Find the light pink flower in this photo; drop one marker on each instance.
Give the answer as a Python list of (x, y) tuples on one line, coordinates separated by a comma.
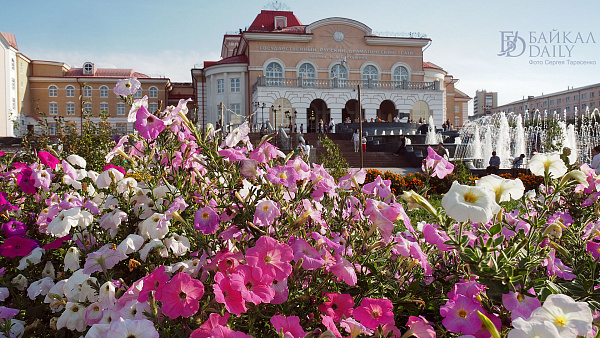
[(148, 125), (311, 259), (520, 305), (379, 187), (419, 327), (207, 220), (344, 270), (330, 325), (266, 213), (460, 315), (355, 328)]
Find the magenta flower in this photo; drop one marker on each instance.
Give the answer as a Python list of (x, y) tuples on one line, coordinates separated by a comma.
[(5, 205), (148, 125), (289, 327), (180, 296), (126, 87), (112, 166), (227, 295), (419, 327), (153, 282), (556, 267), (214, 320), (374, 312), (206, 220), (330, 325), (47, 159), (338, 307), (470, 289), (436, 237), (57, 243), (26, 182), (460, 315), (264, 153), (440, 166), (17, 246), (519, 305), (563, 217), (271, 258), (266, 213), (253, 290), (14, 228), (311, 259), (593, 248)]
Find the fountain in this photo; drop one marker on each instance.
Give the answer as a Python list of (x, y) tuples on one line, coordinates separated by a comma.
[(511, 134), (432, 137)]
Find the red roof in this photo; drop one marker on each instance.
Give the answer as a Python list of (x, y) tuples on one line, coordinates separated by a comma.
[(265, 21), (11, 39), (107, 72), (232, 59), (431, 65)]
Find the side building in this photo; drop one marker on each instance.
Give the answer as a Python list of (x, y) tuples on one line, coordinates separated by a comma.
[(484, 103), (9, 97), (58, 91), (283, 72), (563, 102)]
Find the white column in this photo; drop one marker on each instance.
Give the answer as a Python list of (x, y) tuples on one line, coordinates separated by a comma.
[(336, 114)]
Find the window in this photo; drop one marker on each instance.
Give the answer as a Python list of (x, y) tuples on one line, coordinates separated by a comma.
[(14, 104), (87, 91), (370, 73), (153, 92), (591, 104), (103, 91), (120, 108), (104, 107), (551, 102), (568, 109), (420, 110), (400, 74), (14, 84), (338, 74), (12, 63), (51, 128), (53, 108), (138, 94), (236, 117), (235, 85), (70, 91), (70, 108), (456, 108), (592, 94), (583, 96), (220, 86), (87, 107), (575, 97), (558, 101), (53, 91), (274, 74), (121, 128), (583, 106), (456, 121), (153, 107), (308, 74), (568, 99), (88, 68)]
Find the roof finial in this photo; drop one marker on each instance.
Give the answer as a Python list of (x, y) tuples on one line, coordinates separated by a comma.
[(276, 6)]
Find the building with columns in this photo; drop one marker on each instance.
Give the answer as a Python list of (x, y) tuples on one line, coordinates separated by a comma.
[(281, 71)]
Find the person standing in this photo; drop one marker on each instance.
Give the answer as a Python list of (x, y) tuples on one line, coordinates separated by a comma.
[(321, 126), (440, 150), (596, 159), (331, 126), (356, 140), (494, 164), (301, 128), (364, 144)]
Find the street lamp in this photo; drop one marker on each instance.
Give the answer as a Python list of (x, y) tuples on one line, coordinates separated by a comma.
[(295, 121), (289, 116)]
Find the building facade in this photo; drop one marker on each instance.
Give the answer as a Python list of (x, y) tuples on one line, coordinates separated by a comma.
[(58, 91), (484, 103), (565, 102), (283, 72), (8, 85)]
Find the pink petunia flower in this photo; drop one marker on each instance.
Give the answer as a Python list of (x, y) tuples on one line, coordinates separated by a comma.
[(206, 220), (311, 259), (470, 289), (266, 213), (355, 328), (148, 125), (460, 315), (374, 312), (214, 320), (253, 290), (593, 248), (48, 159), (419, 327), (17, 246), (14, 228), (26, 181), (264, 153), (288, 326), (379, 187), (338, 307), (556, 267), (436, 237), (440, 166), (520, 305), (281, 291), (344, 270), (227, 295), (180, 296), (271, 258), (152, 282), (330, 325)]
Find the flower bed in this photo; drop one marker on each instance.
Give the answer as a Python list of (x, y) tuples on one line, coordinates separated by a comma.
[(206, 236)]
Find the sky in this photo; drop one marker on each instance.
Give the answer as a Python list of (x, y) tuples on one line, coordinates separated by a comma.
[(510, 47)]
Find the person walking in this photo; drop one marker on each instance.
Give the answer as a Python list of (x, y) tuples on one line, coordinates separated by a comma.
[(356, 140)]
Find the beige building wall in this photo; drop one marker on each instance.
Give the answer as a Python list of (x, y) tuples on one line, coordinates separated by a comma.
[(4, 94), (24, 95)]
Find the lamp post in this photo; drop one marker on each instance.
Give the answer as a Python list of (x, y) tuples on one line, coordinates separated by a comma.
[(295, 121), (289, 116)]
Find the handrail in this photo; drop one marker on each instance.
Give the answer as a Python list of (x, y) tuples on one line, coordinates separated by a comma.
[(301, 82)]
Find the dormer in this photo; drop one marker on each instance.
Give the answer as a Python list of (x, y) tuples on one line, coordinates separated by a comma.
[(89, 68), (280, 22)]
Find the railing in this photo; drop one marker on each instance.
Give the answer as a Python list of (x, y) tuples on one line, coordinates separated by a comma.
[(343, 83)]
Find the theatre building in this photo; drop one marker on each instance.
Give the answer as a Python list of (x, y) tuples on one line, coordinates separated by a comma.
[(283, 72)]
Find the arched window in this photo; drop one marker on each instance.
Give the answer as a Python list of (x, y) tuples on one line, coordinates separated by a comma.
[(138, 93), (153, 92), (338, 75), (103, 91), (87, 91), (53, 91), (70, 90), (400, 74), (370, 73), (420, 110), (308, 74), (274, 74)]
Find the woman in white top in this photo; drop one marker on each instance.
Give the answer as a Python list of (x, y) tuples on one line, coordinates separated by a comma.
[(356, 139), (596, 159)]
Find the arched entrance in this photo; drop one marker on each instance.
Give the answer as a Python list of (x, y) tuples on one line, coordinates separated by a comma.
[(351, 111), (277, 114), (420, 111), (387, 111), (315, 112)]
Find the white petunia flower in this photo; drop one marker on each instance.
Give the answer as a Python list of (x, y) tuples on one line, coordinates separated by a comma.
[(130, 244), (504, 189), (137, 104), (179, 245), (20, 282), (464, 203), (149, 228), (54, 297), (4, 293), (154, 244), (63, 222), (34, 257), (48, 270), (77, 160), (74, 183), (111, 221), (550, 163), (570, 318), (109, 177), (72, 259), (40, 287), (107, 297), (73, 318)]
